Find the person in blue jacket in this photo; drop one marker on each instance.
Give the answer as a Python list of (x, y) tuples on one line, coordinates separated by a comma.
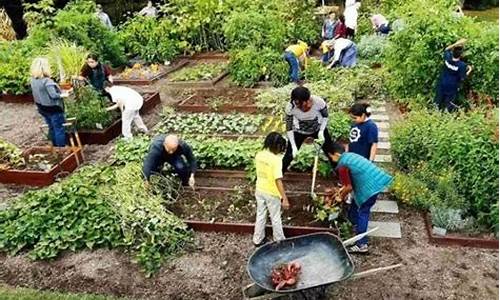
[(368, 181), (363, 137), (454, 72), (170, 149)]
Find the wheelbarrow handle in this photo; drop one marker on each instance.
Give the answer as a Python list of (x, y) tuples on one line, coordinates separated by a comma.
[(375, 270), (356, 238)]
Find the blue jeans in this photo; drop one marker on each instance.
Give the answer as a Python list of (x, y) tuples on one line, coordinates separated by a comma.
[(444, 99), (181, 168), (293, 62), (55, 122), (360, 216), (325, 58)]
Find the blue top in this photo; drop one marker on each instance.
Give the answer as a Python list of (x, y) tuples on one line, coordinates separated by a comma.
[(329, 28), (361, 138), (158, 156), (367, 179), (454, 72)]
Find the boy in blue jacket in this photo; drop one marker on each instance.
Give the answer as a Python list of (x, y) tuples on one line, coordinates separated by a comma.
[(368, 181)]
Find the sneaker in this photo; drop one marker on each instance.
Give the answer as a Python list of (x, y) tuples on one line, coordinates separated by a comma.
[(260, 244), (363, 249)]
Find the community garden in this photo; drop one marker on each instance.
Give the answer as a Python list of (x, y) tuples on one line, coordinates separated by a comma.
[(81, 220)]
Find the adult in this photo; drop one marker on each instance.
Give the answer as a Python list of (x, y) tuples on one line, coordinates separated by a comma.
[(453, 74), (329, 25), (368, 181), (129, 102), (344, 53), (170, 149), (149, 10), (380, 24), (351, 17), (96, 73), (103, 17), (269, 191), (306, 117), (341, 29), (48, 100), (296, 56)]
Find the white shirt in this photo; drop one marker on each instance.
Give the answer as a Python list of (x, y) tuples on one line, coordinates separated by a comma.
[(351, 14), (148, 12), (340, 44), (105, 19), (129, 98)]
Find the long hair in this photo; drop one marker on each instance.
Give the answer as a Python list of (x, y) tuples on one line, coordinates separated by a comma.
[(40, 67)]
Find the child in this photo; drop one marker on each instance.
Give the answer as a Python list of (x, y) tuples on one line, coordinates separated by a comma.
[(454, 73), (296, 55), (368, 181), (363, 138), (329, 26), (130, 102), (269, 190)]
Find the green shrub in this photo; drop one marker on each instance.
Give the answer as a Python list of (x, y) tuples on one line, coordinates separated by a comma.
[(154, 40), (412, 191), (89, 108), (371, 47), (463, 143), (77, 23), (414, 56), (66, 59), (250, 65)]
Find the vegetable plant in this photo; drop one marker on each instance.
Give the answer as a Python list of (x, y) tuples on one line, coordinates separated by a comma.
[(201, 71), (10, 155), (89, 108)]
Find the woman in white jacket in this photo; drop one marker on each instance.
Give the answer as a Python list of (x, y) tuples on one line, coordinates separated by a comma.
[(351, 17)]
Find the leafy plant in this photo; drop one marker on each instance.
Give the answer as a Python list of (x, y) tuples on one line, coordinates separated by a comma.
[(463, 143), (10, 155), (449, 218), (201, 71), (154, 40), (67, 58), (96, 207), (89, 108), (251, 65), (39, 13), (372, 47)]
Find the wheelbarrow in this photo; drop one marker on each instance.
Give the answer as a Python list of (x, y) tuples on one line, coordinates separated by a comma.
[(323, 258)]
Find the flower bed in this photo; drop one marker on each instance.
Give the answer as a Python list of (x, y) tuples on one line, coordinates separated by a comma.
[(103, 136), (145, 75), (64, 163), (198, 74), (220, 100)]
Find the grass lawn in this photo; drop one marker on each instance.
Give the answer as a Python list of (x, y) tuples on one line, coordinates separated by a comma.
[(8, 293)]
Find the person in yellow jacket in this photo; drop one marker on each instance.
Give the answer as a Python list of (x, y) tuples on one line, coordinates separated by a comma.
[(327, 50), (296, 55)]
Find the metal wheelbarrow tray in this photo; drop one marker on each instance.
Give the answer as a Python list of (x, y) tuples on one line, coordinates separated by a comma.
[(323, 258)]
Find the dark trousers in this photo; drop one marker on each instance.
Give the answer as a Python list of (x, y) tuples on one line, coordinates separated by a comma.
[(299, 139), (445, 99), (55, 121), (350, 33), (360, 215), (181, 168)]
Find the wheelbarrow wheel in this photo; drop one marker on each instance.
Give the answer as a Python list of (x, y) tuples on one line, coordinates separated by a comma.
[(318, 293)]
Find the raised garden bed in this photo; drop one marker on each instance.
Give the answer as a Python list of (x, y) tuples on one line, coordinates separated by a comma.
[(220, 100), (207, 55), (23, 98), (187, 76), (141, 75), (457, 239), (103, 136), (64, 162)]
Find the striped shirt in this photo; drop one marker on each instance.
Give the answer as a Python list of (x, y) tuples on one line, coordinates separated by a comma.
[(306, 122), (367, 179)]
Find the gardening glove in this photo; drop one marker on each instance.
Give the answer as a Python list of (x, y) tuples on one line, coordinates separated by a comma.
[(321, 137), (294, 151), (191, 181)]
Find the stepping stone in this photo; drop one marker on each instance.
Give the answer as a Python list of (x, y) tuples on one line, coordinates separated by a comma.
[(382, 158), (383, 125), (383, 134), (385, 229), (384, 145), (386, 207), (379, 117), (379, 109)]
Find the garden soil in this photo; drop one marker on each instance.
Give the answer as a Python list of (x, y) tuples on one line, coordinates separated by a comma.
[(214, 266)]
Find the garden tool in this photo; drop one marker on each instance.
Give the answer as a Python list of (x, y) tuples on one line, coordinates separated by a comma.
[(317, 148)]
